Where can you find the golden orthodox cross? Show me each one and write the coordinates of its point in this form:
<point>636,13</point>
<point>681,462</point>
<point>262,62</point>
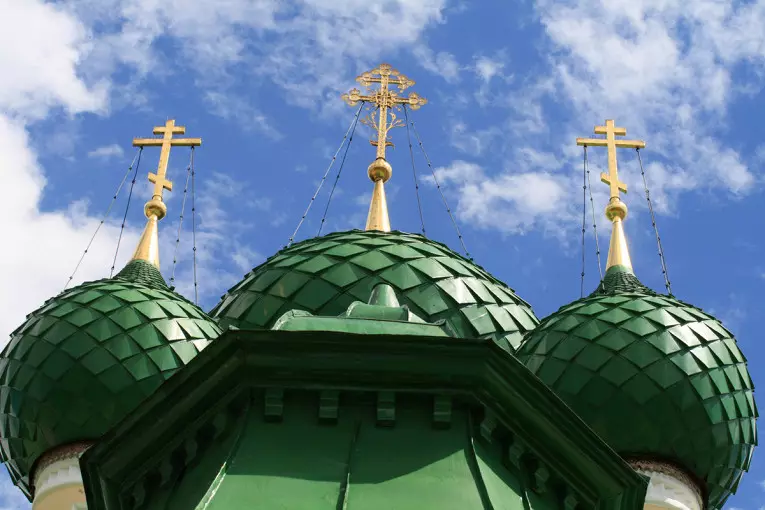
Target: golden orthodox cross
<point>610,141</point>
<point>167,141</point>
<point>385,100</point>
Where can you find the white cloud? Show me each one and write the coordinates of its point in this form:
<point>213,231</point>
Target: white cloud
<point>487,68</point>
<point>662,68</point>
<point>732,312</point>
<point>508,202</point>
<point>51,36</point>
<point>441,63</point>
<point>245,258</point>
<point>473,141</point>
<point>44,247</point>
<point>234,108</point>
<point>107,152</point>
<point>310,38</point>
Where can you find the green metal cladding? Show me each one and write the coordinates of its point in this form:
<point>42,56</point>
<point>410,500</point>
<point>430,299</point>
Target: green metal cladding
<point>325,275</point>
<point>654,377</point>
<point>88,357</point>
<point>382,315</point>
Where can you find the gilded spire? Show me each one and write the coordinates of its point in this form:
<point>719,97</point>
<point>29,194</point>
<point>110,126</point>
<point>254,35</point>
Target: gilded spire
<point>616,210</point>
<point>384,102</point>
<point>155,209</point>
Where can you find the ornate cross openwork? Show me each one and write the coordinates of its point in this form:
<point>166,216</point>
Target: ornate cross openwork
<point>385,101</point>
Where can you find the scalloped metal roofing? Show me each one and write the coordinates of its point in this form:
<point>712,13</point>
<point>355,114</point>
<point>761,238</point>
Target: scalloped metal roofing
<point>381,315</point>
<point>654,377</point>
<point>84,360</point>
<point>325,275</point>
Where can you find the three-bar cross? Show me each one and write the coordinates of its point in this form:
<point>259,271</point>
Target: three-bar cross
<point>610,141</point>
<point>168,130</point>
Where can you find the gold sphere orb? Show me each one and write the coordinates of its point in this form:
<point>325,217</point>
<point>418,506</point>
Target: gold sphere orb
<point>155,207</point>
<point>616,209</point>
<point>380,170</point>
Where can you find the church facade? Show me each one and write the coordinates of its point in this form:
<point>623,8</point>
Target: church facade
<point>373,369</point>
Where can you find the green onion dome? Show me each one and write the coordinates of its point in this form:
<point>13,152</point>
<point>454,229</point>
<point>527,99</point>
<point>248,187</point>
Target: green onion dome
<point>88,357</point>
<point>325,275</point>
<point>656,378</point>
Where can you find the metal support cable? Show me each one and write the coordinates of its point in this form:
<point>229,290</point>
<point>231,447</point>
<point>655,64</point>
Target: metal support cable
<point>180,224</point>
<point>324,177</point>
<point>194,227</point>
<point>414,170</point>
<point>655,227</point>
<point>124,217</point>
<point>584,216</point>
<point>106,215</point>
<point>443,197</point>
<point>594,222</point>
<point>339,172</point>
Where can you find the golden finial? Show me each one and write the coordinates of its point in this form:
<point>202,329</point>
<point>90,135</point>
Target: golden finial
<point>616,210</point>
<point>155,209</point>
<point>385,101</point>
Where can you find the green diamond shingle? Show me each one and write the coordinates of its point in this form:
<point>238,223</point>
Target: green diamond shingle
<point>666,380</point>
<point>72,371</point>
<point>323,275</point>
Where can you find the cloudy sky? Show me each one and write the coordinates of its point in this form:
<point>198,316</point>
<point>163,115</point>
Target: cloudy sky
<point>510,86</point>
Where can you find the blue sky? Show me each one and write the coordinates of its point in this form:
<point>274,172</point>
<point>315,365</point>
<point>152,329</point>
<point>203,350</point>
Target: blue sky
<point>510,86</point>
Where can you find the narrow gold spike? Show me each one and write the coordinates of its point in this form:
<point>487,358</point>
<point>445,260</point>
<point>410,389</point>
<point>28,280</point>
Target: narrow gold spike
<point>155,209</point>
<point>378,218</point>
<point>148,244</point>
<point>618,253</point>
<point>384,102</point>
<point>616,210</point>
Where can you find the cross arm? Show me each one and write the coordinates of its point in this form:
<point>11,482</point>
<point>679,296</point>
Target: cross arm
<point>188,142</point>
<point>603,130</point>
<point>153,178</point>
<point>355,95</point>
<point>606,179</point>
<point>176,130</point>
<point>147,142</point>
<point>401,81</point>
<point>176,142</point>
<point>368,80</point>
<point>602,142</point>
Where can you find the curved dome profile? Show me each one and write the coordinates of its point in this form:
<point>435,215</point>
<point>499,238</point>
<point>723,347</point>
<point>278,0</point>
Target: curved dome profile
<point>83,361</point>
<point>656,378</point>
<point>325,275</point>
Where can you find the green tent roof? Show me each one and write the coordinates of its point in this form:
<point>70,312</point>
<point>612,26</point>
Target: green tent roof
<point>655,377</point>
<point>325,275</point>
<point>88,357</point>
<point>326,420</point>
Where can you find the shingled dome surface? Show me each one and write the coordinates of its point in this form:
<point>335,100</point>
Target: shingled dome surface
<point>88,357</point>
<point>654,377</point>
<point>325,275</point>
